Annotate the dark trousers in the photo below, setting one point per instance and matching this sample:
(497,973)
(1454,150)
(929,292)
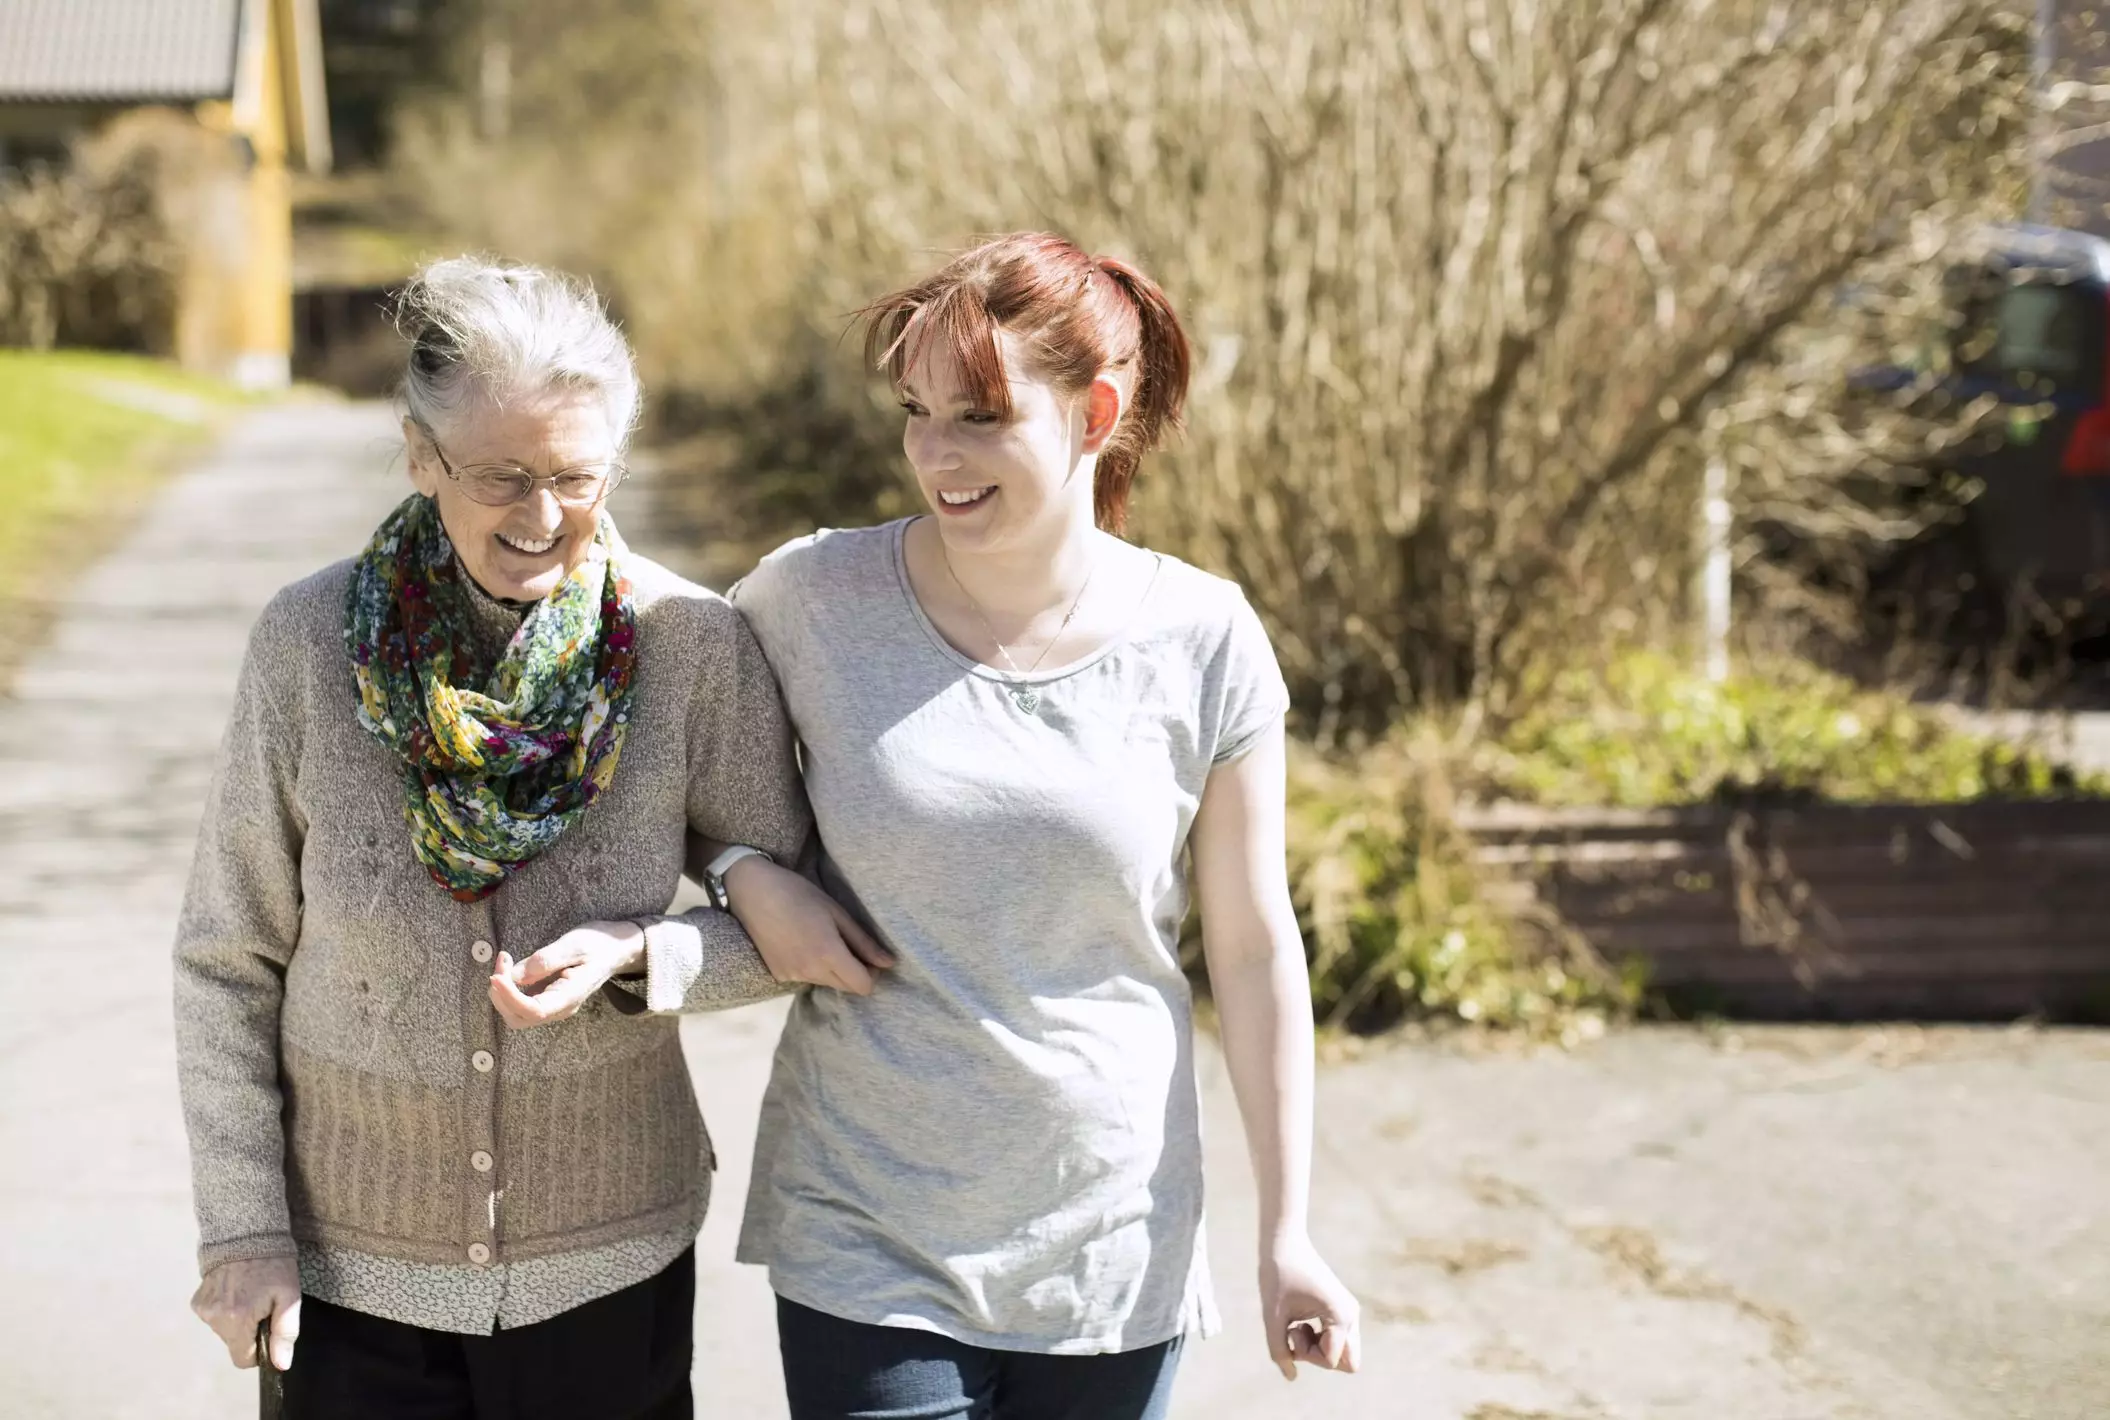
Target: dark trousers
(624,1356)
(848,1370)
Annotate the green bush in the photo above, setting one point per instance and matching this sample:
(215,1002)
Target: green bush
(816,445)
(1399,922)
(1647,731)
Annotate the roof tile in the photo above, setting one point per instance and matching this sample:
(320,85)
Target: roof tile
(117,50)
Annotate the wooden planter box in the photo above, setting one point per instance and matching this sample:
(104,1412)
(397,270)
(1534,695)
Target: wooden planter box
(1974,912)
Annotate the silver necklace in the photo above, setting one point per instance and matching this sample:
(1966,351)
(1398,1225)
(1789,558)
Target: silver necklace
(1023,696)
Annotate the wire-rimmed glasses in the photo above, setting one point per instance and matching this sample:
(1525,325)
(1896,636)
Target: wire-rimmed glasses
(497,485)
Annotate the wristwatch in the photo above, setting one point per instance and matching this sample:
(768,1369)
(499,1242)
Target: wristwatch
(714,872)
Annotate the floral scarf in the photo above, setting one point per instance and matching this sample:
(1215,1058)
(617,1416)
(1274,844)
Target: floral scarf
(498,761)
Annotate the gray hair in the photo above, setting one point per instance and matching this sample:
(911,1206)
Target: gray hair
(481,327)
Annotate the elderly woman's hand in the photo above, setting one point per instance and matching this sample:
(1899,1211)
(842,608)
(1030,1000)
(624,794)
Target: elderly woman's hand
(552,984)
(236,1296)
(801,933)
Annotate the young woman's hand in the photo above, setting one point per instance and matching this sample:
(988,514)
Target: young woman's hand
(803,934)
(552,984)
(1310,1316)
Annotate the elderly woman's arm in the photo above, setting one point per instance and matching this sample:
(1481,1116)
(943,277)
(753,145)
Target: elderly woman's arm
(744,787)
(239,923)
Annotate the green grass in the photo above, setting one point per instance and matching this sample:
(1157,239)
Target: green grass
(84,438)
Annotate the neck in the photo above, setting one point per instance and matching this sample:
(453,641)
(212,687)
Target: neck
(1023,581)
(486,594)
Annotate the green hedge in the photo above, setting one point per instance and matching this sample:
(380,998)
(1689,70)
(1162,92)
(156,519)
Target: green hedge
(1649,732)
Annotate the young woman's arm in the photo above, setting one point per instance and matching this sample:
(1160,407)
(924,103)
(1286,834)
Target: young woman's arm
(743,783)
(1263,998)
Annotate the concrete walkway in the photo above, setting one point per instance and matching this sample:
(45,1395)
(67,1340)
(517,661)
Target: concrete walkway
(106,747)
(1674,1225)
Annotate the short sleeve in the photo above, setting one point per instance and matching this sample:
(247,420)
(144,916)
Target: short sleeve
(770,600)
(1248,685)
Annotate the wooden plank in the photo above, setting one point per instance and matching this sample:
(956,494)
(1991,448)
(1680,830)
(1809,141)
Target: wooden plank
(1987,999)
(2079,902)
(1935,965)
(1523,823)
(2058,862)
(1972,911)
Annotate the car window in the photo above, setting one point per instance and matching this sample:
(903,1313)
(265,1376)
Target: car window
(2027,336)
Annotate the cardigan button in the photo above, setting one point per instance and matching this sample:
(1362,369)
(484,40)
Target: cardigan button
(483,1060)
(480,1161)
(481,951)
(479,1254)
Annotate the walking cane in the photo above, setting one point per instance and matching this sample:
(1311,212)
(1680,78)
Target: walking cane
(271,1388)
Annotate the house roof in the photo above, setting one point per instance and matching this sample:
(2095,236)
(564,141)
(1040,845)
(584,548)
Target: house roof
(118,50)
(172,51)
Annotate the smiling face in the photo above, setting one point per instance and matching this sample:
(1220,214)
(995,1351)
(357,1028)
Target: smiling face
(996,483)
(523,551)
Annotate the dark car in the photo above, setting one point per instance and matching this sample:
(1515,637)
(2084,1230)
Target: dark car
(2033,332)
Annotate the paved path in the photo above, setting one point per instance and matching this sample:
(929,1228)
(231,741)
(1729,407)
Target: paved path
(1787,1225)
(105,751)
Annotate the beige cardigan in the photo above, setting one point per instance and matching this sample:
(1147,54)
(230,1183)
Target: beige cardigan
(346,1083)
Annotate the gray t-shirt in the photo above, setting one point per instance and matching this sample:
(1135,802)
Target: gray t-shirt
(1002,1143)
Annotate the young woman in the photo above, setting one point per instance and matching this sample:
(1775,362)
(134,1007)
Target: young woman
(978,1191)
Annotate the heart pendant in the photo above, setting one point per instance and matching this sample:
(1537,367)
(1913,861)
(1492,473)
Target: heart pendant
(1028,701)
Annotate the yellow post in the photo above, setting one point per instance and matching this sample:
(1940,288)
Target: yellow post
(235,318)
(263,357)
(264,353)
(217,238)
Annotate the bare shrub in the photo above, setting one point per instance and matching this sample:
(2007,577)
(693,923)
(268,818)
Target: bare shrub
(1477,288)
(1471,287)
(94,252)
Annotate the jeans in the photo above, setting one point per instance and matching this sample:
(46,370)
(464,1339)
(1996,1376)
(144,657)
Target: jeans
(850,1370)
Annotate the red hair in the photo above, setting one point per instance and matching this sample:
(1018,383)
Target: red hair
(1080,316)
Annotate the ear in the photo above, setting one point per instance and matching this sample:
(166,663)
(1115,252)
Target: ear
(1102,413)
(424,464)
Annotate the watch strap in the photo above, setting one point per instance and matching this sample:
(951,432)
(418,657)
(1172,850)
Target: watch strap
(719,866)
(714,872)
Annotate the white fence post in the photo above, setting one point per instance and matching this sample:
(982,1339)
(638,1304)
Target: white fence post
(1714,570)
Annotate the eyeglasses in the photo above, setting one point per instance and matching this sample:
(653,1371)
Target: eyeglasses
(497,485)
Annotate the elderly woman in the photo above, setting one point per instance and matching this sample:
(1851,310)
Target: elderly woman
(462,774)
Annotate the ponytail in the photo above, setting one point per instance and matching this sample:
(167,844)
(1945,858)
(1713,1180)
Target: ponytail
(1157,400)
